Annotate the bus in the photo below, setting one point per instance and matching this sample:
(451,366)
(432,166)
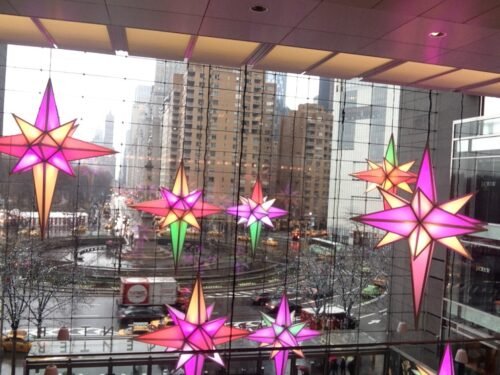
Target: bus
(324,248)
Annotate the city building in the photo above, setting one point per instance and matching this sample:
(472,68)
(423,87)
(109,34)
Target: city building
(201,125)
(367,116)
(304,163)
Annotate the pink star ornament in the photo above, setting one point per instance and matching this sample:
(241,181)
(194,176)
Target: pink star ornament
(194,334)
(423,222)
(256,211)
(446,367)
(47,148)
(281,334)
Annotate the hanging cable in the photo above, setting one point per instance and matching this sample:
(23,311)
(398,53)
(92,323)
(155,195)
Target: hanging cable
(238,193)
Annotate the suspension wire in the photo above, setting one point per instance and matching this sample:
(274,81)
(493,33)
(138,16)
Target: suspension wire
(238,191)
(205,161)
(450,258)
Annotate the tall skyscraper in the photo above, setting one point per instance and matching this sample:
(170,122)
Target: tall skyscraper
(362,131)
(325,94)
(203,113)
(304,163)
(134,157)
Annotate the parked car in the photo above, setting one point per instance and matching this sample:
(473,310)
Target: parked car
(371,291)
(130,314)
(261,298)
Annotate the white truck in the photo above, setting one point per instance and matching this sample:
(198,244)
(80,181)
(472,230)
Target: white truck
(148,290)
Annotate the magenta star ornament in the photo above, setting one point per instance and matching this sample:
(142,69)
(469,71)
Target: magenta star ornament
(178,209)
(446,367)
(282,335)
(256,211)
(47,148)
(423,222)
(194,334)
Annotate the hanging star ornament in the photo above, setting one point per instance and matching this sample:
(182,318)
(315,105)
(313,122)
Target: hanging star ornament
(194,334)
(47,148)
(281,334)
(256,211)
(447,367)
(178,208)
(388,175)
(423,222)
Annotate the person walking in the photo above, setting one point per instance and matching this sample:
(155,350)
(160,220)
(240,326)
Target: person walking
(342,366)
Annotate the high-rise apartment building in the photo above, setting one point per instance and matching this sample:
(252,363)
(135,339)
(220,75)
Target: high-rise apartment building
(134,157)
(203,115)
(361,131)
(304,163)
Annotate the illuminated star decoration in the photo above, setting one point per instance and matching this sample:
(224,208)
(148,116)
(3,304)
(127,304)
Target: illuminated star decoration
(389,175)
(447,367)
(47,148)
(423,222)
(255,211)
(281,333)
(178,208)
(192,332)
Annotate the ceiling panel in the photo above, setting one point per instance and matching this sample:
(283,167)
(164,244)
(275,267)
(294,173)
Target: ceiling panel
(279,12)
(157,44)
(417,32)
(402,51)
(409,72)
(356,3)
(92,12)
(222,51)
(326,41)
(5,7)
(194,7)
(488,19)
(488,90)
(464,59)
(20,30)
(460,11)
(77,35)
(154,20)
(415,7)
(459,78)
(225,28)
(290,59)
(344,65)
(485,45)
(353,21)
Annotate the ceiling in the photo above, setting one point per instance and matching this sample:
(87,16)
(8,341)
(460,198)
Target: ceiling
(379,40)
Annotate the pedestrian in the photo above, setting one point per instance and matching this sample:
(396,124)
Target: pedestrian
(342,366)
(334,367)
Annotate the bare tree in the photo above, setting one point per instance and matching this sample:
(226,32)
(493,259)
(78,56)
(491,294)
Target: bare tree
(16,294)
(54,286)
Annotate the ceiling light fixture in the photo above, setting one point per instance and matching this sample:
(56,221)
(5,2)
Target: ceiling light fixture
(437,34)
(258,9)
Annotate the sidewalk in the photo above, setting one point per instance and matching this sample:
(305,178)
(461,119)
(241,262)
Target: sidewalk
(5,361)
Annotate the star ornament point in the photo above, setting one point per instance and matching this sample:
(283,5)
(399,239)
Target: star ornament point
(178,209)
(46,148)
(282,335)
(447,366)
(256,211)
(194,334)
(423,222)
(389,175)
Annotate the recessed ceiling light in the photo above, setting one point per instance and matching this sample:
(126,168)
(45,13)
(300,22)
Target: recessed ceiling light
(258,9)
(437,34)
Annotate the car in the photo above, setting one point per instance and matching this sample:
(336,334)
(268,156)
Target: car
(371,291)
(23,345)
(261,298)
(130,314)
(272,306)
(270,242)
